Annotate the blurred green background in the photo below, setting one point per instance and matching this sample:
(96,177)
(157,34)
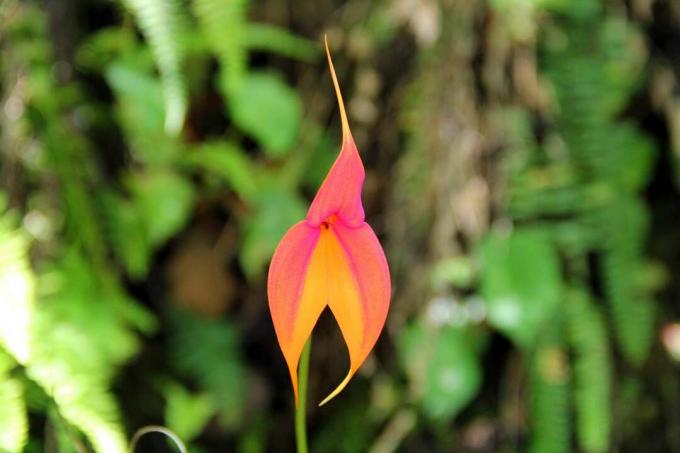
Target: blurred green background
(523,174)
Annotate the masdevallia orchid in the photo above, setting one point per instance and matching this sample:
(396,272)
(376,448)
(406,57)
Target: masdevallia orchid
(331,259)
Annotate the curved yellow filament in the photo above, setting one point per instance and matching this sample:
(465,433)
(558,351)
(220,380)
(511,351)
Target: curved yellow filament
(343,115)
(338,389)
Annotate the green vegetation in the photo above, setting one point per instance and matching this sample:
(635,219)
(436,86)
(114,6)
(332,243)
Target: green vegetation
(154,152)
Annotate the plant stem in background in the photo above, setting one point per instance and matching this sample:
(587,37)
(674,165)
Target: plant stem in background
(157,429)
(301,409)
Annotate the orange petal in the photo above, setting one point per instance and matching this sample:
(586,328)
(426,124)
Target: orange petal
(295,291)
(338,266)
(359,291)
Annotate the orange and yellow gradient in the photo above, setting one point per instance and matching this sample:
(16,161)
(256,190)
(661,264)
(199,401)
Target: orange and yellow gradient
(332,259)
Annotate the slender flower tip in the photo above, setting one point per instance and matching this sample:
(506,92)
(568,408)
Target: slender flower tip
(338,389)
(341,105)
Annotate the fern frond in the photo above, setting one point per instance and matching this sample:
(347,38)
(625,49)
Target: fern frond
(549,389)
(206,351)
(85,403)
(613,156)
(587,335)
(631,307)
(82,333)
(161,22)
(55,344)
(13,417)
(584,121)
(17,286)
(535,201)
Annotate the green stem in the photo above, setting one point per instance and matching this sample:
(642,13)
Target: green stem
(301,410)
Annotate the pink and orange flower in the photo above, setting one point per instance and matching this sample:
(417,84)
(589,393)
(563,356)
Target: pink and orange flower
(331,259)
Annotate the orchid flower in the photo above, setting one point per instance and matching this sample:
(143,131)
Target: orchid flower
(331,259)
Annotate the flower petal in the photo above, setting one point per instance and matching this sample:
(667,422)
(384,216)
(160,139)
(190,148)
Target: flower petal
(338,266)
(340,193)
(359,291)
(293,282)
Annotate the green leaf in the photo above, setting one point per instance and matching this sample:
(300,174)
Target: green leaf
(126,230)
(521,282)
(224,22)
(458,271)
(267,109)
(632,169)
(164,199)
(142,91)
(443,368)
(276,211)
(187,414)
(314,167)
(102,47)
(228,162)
(279,40)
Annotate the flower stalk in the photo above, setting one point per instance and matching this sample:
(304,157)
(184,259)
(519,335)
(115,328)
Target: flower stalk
(301,408)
